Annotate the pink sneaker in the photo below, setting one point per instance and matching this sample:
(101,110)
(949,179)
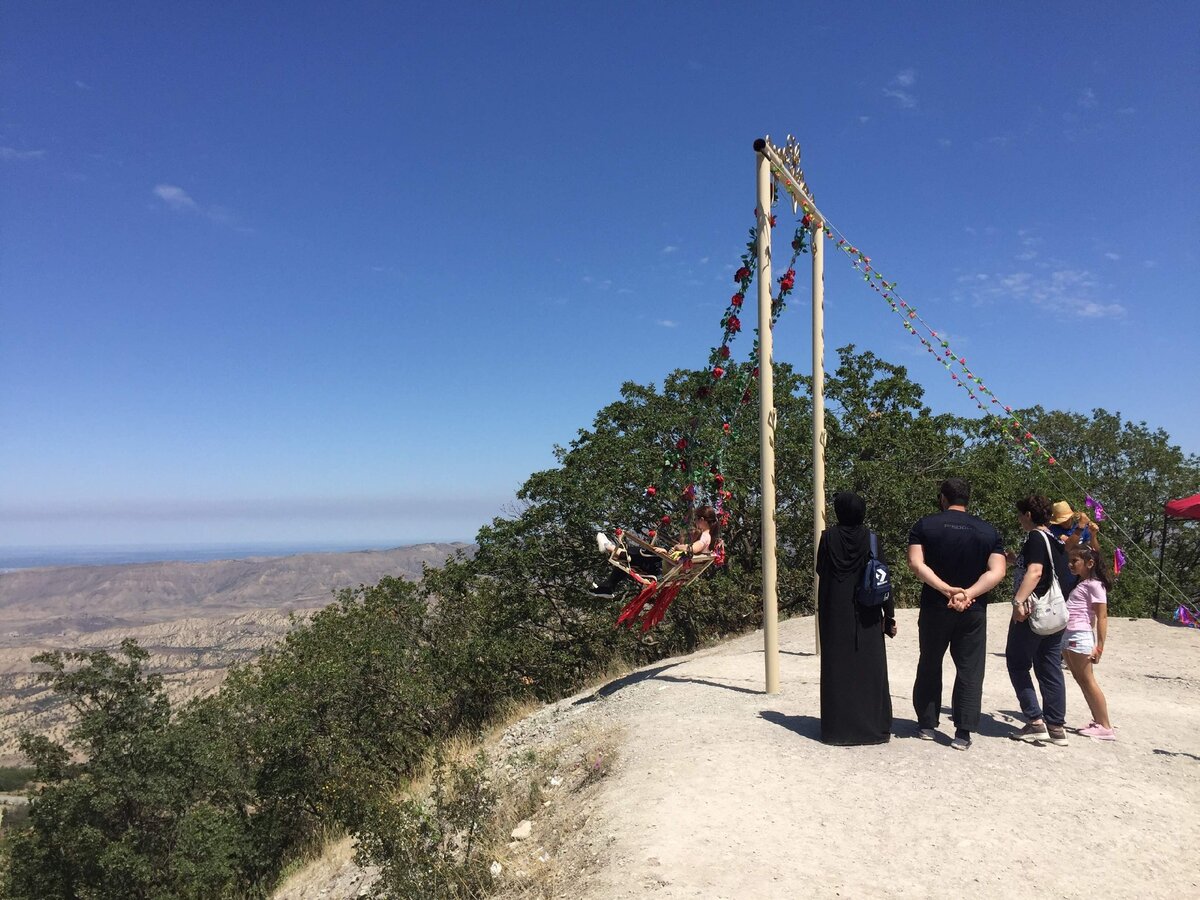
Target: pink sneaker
(1099,732)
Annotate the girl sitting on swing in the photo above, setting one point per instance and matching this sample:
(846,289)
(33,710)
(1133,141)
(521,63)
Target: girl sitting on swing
(703,538)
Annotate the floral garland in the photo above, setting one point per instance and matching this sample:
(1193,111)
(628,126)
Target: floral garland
(706,477)
(1009,424)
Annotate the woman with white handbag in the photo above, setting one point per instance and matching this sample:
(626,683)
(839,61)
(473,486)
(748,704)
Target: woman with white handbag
(1039,621)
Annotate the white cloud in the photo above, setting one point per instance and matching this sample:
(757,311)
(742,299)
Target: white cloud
(1126,111)
(83,85)
(1065,291)
(670,248)
(899,91)
(703,260)
(179,200)
(667,323)
(1112,255)
(904,98)
(864,119)
(944,142)
(1027,255)
(11,154)
(1087,99)
(174,196)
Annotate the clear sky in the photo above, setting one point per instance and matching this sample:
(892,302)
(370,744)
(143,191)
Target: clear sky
(348,271)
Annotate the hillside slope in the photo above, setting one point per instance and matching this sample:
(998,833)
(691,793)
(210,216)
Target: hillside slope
(88,598)
(195,619)
(720,791)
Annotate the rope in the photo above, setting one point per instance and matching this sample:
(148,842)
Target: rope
(908,314)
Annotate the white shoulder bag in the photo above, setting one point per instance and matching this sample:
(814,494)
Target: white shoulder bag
(1049,610)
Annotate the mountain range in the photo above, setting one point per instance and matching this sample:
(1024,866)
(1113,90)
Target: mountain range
(195,618)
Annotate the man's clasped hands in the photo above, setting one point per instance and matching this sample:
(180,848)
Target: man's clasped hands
(957,599)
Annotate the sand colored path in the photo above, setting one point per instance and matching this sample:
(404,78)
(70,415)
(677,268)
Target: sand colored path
(721,791)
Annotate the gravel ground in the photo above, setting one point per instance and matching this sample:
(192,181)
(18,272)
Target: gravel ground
(714,789)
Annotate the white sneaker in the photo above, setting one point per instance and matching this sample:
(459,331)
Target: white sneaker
(603,543)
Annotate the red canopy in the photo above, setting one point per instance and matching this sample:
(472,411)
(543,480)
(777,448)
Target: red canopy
(1186,508)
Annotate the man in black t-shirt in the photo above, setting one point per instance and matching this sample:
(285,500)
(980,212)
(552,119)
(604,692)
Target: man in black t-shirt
(959,558)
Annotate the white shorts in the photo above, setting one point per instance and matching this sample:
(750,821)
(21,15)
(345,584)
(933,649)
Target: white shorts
(1082,642)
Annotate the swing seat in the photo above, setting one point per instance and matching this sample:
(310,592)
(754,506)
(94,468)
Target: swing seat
(678,572)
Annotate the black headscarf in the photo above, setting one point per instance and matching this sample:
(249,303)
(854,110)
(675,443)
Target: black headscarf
(849,542)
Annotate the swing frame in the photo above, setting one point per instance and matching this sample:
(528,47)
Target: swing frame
(678,573)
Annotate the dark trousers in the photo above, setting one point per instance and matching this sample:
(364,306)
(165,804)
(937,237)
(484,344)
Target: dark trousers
(965,634)
(1043,653)
(640,560)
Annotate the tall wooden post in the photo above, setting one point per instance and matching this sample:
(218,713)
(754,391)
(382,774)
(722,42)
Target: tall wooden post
(817,251)
(766,418)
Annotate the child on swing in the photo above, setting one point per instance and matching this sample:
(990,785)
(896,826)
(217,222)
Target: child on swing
(702,538)
(1087,609)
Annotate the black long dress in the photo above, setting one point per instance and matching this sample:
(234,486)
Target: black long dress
(856,702)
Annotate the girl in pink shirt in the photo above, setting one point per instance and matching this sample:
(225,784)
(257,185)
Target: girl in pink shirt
(1087,628)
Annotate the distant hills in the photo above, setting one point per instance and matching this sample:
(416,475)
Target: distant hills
(195,618)
(90,598)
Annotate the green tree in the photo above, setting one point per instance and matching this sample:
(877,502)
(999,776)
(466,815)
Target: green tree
(125,802)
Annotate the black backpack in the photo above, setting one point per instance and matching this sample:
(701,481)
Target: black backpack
(876,586)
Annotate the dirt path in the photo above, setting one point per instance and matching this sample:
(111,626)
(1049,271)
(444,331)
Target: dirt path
(721,791)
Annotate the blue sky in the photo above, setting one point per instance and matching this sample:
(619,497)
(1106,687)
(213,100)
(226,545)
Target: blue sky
(347,272)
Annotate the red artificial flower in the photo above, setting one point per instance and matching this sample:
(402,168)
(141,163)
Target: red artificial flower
(733,324)
(741,274)
(754,374)
(806,221)
(728,495)
(719,479)
(726,426)
(1052,460)
(736,300)
(652,533)
(651,491)
(681,444)
(746,397)
(724,351)
(683,465)
(618,532)
(772,221)
(689,492)
(717,373)
(666,520)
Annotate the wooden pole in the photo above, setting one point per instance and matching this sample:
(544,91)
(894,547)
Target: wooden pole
(766,434)
(817,248)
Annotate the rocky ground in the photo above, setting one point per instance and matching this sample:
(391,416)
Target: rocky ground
(712,789)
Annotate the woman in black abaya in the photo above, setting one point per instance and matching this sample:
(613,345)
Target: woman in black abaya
(856,704)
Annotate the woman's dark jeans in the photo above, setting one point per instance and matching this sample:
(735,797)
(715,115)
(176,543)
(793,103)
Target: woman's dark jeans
(1042,653)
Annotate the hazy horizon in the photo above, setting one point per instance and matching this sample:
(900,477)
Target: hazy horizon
(16,557)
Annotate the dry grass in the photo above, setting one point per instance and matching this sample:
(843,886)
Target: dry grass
(307,877)
(536,868)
